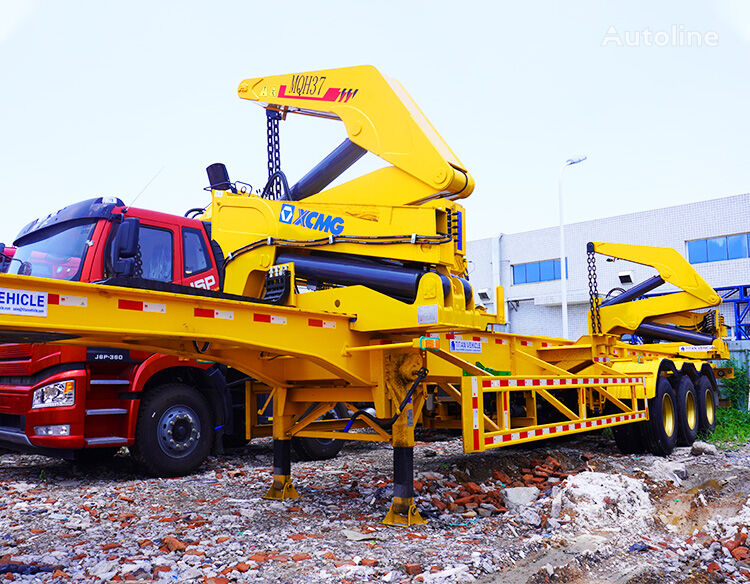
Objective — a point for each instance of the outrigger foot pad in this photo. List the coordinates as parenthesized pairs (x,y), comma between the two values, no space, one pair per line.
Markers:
(403,512)
(281,489)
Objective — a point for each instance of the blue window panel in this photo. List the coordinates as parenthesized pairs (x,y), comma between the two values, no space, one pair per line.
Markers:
(532,272)
(547,271)
(519,274)
(557,269)
(717,249)
(697,251)
(737,246)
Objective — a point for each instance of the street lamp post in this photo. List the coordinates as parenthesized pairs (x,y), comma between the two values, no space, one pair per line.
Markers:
(563,266)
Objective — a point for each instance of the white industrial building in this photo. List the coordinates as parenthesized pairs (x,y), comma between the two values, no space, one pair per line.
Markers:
(714,235)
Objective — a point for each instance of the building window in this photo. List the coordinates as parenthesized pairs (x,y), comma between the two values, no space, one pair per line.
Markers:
(543,271)
(717,249)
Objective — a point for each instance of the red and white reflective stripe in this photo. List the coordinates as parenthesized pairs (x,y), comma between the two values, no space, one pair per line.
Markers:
(321,323)
(506,412)
(475,412)
(582,402)
(269,318)
(64,300)
(526,344)
(208,313)
(456,337)
(601,359)
(501,342)
(561,381)
(525,434)
(141,306)
(545,344)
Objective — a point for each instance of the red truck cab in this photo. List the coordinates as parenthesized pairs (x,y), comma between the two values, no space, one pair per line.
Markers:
(58,399)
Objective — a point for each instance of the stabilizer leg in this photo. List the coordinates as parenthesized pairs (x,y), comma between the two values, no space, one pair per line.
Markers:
(403,511)
(282,487)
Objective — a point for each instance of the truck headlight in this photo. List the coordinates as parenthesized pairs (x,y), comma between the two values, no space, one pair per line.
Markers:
(55,395)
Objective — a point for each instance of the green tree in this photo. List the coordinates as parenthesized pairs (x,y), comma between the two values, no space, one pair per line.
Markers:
(737,388)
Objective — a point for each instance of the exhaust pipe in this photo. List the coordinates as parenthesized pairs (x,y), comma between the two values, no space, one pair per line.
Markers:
(218,177)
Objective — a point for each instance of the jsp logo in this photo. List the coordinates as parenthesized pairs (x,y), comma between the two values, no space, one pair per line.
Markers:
(311,219)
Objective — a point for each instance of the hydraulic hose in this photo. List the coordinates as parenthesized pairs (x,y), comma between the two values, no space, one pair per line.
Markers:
(387,424)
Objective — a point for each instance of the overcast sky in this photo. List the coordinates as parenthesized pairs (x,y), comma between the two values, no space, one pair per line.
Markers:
(98,98)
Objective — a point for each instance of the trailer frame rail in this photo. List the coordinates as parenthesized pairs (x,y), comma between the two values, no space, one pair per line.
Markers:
(592,396)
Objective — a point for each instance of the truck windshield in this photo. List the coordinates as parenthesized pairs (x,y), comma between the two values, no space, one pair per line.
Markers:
(56,253)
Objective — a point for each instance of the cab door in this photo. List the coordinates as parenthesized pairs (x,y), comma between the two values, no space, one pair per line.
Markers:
(198,266)
(157,243)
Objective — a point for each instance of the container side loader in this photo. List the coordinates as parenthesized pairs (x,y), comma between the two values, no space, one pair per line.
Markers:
(358,294)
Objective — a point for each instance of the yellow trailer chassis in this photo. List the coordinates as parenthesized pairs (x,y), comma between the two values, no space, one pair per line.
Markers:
(433,358)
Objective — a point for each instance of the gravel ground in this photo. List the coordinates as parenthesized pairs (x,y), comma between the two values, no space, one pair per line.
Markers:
(564,511)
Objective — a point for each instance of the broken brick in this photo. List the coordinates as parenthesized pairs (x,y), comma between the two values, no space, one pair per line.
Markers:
(173,544)
(413,569)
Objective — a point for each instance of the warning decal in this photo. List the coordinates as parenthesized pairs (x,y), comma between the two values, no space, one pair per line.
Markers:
(460,346)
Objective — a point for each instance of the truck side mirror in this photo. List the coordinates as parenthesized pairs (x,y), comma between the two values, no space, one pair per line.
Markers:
(125,247)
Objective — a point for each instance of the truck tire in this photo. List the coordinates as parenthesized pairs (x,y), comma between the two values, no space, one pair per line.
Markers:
(174,432)
(321,448)
(661,430)
(687,412)
(708,403)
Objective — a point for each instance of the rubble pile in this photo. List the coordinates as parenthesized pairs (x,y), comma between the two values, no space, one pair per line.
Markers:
(602,500)
(514,516)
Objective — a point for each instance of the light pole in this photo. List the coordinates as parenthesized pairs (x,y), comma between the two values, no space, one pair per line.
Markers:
(563,267)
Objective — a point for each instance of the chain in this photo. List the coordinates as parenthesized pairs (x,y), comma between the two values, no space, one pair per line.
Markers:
(596,323)
(274,150)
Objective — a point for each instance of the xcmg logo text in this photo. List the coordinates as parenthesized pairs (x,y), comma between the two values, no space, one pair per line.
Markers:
(311,219)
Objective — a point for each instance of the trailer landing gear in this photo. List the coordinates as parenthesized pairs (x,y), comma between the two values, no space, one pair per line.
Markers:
(282,487)
(403,511)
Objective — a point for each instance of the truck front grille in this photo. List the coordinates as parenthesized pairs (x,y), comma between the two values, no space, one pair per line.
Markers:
(15,351)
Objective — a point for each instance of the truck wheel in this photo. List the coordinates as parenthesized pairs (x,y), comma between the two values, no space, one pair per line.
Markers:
(662,424)
(687,412)
(174,432)
(321,448)
(708,403)
(629,438)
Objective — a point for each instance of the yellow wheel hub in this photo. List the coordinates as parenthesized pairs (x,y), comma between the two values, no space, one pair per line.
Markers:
(667,414)
(710,406)
(691,410)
